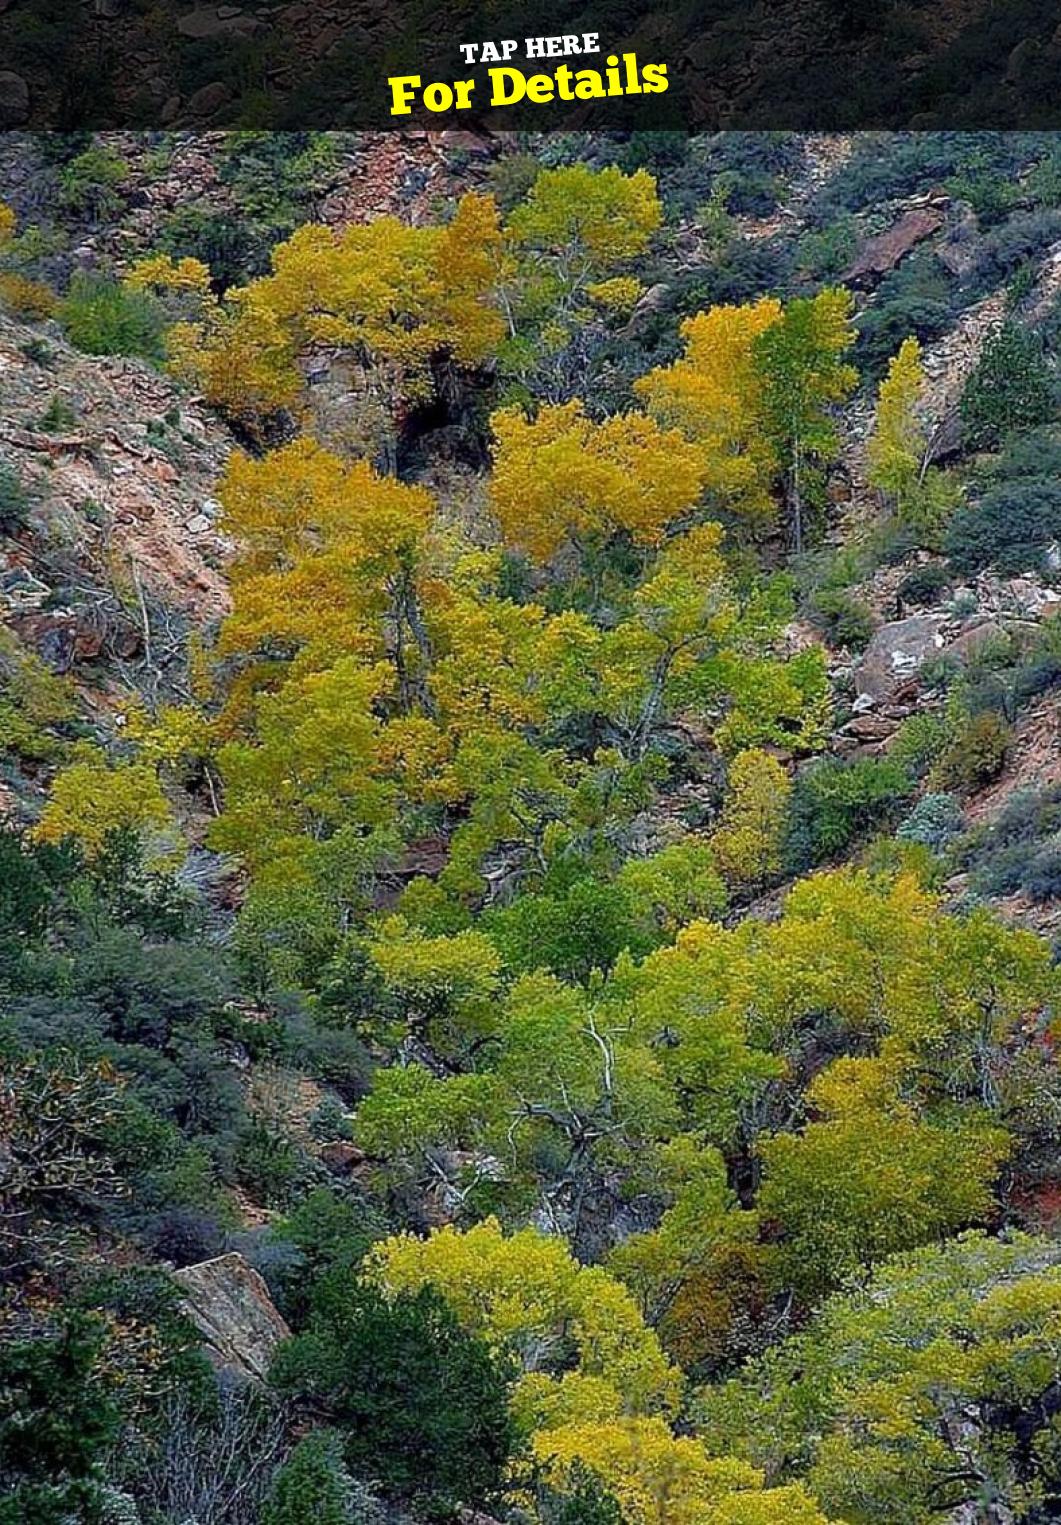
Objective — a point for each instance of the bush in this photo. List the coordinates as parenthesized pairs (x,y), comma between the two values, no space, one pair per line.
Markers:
(1012,388)
(1019,850)
(314,1486)
(1009,528)
(1041,880)
(923,585)
(269,1163)
(57,1413)
(27,299)
(835,803)
(57,417)
(845,621)
(225,244)
(89,184)
(14,500)
(976,755)
(934,821)
(104,317)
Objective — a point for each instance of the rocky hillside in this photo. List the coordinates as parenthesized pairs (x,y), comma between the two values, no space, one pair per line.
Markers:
(530,861)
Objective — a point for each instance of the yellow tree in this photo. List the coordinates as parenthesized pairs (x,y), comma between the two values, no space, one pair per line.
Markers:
(561,477)
(748,842)
(713,395)
(393,298)
(578,224)
(527,1294)
(897,446)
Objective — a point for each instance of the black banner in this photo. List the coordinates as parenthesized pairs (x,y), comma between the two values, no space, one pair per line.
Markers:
(361,64)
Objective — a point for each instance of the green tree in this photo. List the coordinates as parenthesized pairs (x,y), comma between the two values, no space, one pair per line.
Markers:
(420,1403)
(803,376)
(313,1485)
(58,1413)
(1013,387)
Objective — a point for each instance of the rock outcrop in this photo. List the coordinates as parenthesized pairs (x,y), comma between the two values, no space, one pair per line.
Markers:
(229,1303)
(896,652)
(879,255)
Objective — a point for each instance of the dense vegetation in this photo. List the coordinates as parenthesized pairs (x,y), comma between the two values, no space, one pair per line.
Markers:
(629,1124)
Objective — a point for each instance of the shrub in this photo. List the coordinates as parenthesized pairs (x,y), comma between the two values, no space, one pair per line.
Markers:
(57,1413)
(1012,388)
(268,1163)
(89,183)
(225,244)
(1041,880)
(834,803)
(846,621)
(314,1485)
(934,822)
(57,417)
(14,500)
(1009,528)
(421,1404)
(923,585)
(27,299)
(105,317)
(976,755)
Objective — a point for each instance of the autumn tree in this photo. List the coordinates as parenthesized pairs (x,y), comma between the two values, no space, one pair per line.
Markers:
(576,226)
(748,843)
(392,297)
(899,452)
(873,1176)
(714,395)
(561,477)
(897,446)
(527,1295)
(924,1389)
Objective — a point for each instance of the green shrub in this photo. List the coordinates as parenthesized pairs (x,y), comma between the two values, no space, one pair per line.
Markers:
(1013,387)
(89,184)
(226,244)
(919,741)
(104,317)
(313,1486)
(14,500)
(845,620)
(421,1404)
(57,1413)
(1009,528)
(923,585)
(1041,880)
(57,417)
(268,1163)
(935,821)
(976,755)
(835,803)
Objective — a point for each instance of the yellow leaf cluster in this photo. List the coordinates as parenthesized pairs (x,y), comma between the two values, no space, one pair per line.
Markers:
(562,477)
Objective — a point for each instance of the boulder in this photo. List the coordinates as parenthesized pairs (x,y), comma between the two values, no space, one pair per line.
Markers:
(229,1303)
(341,1157)
(879,255)
(896,653)
(209,100)
(975,638)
